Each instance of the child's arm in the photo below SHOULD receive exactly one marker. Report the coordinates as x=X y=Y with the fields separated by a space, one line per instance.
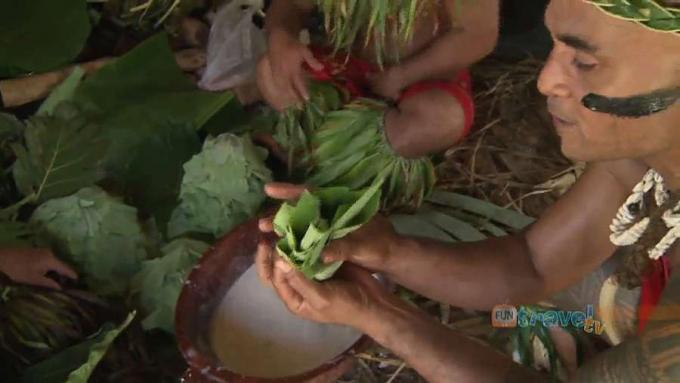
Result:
x=281 y=74
x=470 y=40
x=30 y=266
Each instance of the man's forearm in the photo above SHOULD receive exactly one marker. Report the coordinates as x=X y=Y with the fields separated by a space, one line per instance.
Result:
x=438 y=353
x=288 y=16
x=472 y=275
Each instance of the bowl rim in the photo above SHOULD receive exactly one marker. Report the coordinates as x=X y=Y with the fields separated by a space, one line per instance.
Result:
x=203 y=364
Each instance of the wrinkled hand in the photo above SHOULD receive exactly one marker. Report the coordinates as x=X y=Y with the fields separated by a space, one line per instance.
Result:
x=370 y=247
x=30 y=266
x=352 y=298
x=281 y=74
x=388 y=84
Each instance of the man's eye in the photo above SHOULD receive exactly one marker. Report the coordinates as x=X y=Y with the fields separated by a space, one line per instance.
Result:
x=580 y=65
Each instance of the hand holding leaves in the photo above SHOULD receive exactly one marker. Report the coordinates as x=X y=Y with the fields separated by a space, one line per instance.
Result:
x=319 y=217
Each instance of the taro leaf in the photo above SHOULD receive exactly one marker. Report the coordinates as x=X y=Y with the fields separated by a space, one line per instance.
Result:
x=142 y=93
x=153 y=177
x=14 y=234
x=63 y=153
x=76 y=363
x=223 y=186
x=9 y=126
x=234 y=118
x=97 y=234
x=63 y=92
x=485 y=209
x=159 y=283
x=40 y=35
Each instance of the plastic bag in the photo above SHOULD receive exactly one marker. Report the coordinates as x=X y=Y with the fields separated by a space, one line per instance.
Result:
x=234 y=47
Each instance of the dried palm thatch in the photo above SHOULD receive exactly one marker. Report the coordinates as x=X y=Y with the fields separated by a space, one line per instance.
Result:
x=513 y=157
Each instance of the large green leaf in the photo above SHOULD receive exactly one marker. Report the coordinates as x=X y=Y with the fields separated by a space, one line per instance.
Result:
x=223 y=186
x=149 y=111
x=142 y=93
x=39 y=35
x=63 y=92
x=96 y=233
x=13 y=234
x=63 y=153
x=154 y=174
x=9 y=126
x=149 y=76
x=76 y=363
x=160 y=281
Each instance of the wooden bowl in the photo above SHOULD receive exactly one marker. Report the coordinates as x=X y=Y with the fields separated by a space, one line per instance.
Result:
x=205 y=289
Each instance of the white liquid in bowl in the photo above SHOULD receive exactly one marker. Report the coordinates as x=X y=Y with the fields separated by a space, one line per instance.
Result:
x=254 y=334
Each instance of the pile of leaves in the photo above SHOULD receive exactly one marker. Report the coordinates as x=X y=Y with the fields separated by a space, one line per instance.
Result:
x=107 y=166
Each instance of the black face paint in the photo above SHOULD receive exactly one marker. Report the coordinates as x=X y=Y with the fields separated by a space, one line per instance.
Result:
x=633 y=107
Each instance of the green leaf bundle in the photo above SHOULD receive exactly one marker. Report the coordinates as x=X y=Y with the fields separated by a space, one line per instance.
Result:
x=160 y=281
x=318 y=218
x=223 y=186
x=295 y=126
x=98 y=234
x=350 y=149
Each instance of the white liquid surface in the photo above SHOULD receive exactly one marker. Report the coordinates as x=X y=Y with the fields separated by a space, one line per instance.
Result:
x=253 y=334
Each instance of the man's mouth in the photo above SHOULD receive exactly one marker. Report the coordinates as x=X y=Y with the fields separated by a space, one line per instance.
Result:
x=560 y=122
x=559 y=119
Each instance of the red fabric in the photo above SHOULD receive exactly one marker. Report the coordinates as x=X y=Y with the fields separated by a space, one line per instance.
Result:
x=353 y=74
x=652 y=288
x=460 y=88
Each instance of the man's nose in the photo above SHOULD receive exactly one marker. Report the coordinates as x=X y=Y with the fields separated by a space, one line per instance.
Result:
x=552 y=81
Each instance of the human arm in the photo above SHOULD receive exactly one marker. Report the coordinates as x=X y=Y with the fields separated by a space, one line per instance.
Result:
x=356 y=299
x=569 y=241
x=653 y=356
x=30 y=266
x=470 y=40
x=280 y=73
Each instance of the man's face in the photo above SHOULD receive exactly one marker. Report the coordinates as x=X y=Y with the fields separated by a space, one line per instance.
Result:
x=597 y=53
